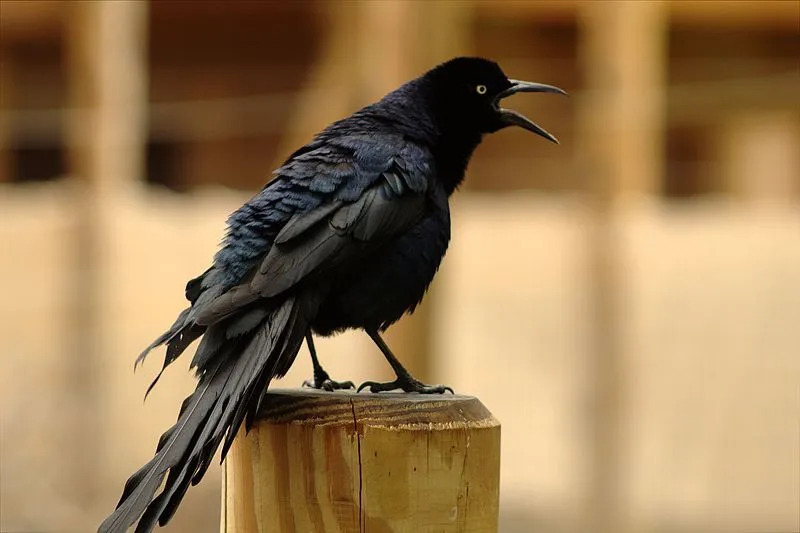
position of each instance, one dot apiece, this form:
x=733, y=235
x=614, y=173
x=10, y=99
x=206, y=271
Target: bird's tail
x=235, y=362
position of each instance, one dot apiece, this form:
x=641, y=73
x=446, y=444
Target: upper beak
x=510, y=117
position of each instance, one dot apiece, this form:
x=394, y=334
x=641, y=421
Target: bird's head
x=466, y=93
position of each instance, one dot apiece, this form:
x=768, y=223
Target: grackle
x=348, y=234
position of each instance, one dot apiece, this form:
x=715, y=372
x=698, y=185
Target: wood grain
x=346, y=462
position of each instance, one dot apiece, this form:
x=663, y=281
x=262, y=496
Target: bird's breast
x=391, y=280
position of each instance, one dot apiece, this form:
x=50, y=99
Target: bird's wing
x=340, y=200
x=329, y=202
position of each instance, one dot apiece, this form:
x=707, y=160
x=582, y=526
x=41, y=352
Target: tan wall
x=711, y=303
x=34, y=343
x=710, y=313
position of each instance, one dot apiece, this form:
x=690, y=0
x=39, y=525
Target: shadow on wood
x=346, y=462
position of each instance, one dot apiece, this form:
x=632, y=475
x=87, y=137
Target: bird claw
x=328, y=384
x=406, y=385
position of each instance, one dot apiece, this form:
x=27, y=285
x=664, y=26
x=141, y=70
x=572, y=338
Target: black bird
x=348, y=234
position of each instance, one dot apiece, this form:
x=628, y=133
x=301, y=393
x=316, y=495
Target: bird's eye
x=481, y=89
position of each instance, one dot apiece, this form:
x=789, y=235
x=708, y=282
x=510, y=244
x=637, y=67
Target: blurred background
x=626, y=303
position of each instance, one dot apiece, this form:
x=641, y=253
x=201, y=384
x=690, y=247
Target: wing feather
x=337, y=201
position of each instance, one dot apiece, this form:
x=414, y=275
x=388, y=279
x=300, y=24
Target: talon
x=335, y=385
x=406, y=385
x=328, y=384
x=370, y=384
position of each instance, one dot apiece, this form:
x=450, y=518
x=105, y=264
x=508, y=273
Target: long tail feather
x=165, y=337
x=185, y=329
x=235, y=371
x=175, y=347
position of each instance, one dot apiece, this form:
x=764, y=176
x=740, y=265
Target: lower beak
x=511, y=118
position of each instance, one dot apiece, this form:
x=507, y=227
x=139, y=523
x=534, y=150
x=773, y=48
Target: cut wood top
x=391, y=410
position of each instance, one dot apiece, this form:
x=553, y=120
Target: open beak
x=510, y=117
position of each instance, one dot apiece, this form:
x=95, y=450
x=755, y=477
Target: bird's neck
x=414, y=111
x=452, y=153
x=452, y=138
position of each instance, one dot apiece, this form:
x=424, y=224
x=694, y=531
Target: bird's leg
x=321, y=378
x=404, y=381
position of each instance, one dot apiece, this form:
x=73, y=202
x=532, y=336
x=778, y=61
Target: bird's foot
x=405, y=383
x=323, y=381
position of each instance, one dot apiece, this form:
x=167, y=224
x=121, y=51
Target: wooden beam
x=759, y=159
x=718, y=13
x=541, y=11
x=329, y=93
x=22, y=19
x=735, y=13
x=108, y=79
x=6, y=103
x=623, y=55
x=705, y=102
x=107, y=75
x=620, y=136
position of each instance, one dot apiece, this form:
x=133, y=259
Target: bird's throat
x=452, y=153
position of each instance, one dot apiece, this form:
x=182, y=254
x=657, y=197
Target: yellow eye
x=481, y=89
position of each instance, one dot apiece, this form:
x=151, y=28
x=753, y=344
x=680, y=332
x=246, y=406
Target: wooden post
x=107, y=81
x=347, y=462
x=621, y=129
